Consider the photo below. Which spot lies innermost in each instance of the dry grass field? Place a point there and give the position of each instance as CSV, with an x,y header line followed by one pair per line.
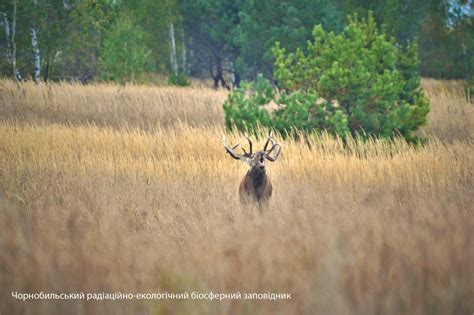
x,y
128,189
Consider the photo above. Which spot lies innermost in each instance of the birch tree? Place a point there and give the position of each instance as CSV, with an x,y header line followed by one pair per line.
x,y
34,45
10,32
173,58
7,26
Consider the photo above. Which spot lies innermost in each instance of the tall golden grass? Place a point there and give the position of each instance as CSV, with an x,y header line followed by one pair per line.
x,y
116,106
128,189
452,115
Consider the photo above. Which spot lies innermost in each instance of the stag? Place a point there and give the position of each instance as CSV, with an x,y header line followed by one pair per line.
x,y
255,186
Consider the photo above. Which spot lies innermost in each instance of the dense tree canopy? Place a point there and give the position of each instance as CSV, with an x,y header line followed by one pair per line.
x,y
264,22
227,40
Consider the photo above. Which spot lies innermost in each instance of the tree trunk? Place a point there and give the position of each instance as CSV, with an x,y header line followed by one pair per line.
x,y
16,72
36,54
173,58
183,60
36,51
46,70
219,77
235,77
10,28
7,25
466,59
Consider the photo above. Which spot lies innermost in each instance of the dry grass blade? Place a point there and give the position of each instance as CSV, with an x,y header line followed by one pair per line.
x,y
128,189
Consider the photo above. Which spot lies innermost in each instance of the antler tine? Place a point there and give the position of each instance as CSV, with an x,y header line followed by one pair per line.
x,y
276,155
230,151
250,146
268,141
274,146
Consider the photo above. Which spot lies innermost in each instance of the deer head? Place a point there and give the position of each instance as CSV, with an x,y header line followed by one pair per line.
x,y
256,185
257,159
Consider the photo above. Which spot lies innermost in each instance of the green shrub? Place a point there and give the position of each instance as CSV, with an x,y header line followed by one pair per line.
x,y
244,106
178,80
359,81
307,112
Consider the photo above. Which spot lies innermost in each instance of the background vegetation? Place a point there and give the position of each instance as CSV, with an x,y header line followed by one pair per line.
x,y
227,40
358,81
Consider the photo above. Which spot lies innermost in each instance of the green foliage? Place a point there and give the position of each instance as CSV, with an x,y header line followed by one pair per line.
x,y
178,80
358,81
445,29
82,33
244,106
307,112
125,55
402,18
210,24
447,52
224,38
289,22
154,18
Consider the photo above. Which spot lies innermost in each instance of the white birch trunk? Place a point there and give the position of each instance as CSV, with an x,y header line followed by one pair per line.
x,y
36,51
173,58
36,54
7,25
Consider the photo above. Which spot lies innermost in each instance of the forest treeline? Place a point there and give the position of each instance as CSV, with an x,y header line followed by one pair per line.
x,y
228,40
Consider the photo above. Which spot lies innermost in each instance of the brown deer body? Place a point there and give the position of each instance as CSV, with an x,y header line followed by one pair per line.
x,y
256,187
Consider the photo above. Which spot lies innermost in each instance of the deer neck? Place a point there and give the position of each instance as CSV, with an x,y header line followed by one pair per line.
x,y
257,176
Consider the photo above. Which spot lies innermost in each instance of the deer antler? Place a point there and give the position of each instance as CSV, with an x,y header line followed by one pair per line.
x,y
274,146
235,155
250,147
231,151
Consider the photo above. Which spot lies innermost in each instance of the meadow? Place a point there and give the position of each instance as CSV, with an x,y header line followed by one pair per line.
x,y
107,188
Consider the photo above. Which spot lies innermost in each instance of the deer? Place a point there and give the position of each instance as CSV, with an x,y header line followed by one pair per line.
x,y
255,187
